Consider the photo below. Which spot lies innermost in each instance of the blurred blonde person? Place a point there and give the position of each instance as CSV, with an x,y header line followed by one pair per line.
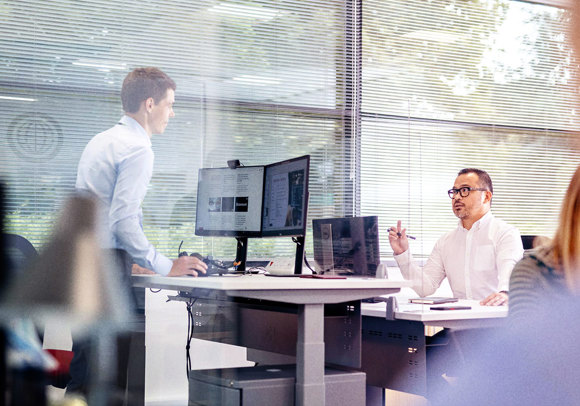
x,y
553,268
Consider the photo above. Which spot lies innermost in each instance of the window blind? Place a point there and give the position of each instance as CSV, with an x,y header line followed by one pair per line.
x,y
443,85
259,81
448,85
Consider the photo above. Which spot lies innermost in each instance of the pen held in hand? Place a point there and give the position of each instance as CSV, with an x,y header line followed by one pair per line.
x,y
400,235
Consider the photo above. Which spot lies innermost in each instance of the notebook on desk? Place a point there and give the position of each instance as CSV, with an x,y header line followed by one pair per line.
x,y
280,266
433,300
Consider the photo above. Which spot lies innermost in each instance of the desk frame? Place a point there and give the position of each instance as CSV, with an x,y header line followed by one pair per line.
x,y
394,351
309,295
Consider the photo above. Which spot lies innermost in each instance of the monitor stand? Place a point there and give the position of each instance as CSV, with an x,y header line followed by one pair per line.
x,y
241,253
299,254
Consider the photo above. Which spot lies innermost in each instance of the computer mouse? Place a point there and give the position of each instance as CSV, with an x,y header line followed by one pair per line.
x,y
212,268
196,255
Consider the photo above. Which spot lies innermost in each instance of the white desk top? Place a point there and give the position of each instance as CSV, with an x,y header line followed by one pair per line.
x,y
282,289
476,317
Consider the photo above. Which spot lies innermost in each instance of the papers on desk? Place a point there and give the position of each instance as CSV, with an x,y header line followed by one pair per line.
x,y
433,300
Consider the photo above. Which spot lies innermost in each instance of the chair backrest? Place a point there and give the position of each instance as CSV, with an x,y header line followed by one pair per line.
x,y
18,251
528,241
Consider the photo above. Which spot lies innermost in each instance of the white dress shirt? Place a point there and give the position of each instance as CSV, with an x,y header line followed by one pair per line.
x,y
477,262
116,167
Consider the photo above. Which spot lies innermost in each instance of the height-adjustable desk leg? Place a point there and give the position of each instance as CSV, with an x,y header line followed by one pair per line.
x,y
310,356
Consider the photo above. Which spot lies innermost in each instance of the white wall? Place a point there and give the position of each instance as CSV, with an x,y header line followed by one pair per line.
x,y
165,339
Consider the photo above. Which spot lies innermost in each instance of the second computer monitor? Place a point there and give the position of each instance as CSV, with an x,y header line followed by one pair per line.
x,y
347,246
286,198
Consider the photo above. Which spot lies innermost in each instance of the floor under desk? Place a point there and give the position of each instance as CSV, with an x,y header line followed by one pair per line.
x,y
396,398
393,398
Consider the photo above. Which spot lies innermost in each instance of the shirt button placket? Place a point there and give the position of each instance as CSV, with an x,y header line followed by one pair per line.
x,y
466,272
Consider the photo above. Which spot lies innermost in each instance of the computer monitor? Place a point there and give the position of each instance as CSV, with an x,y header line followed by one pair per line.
x,y
229,201
286,198
347,246
255,201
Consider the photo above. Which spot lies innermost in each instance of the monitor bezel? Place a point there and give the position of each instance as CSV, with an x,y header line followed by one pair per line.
x,y
290,232
229,233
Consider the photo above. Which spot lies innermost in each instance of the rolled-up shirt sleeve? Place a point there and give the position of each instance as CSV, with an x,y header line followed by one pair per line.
x,y
425,280
509,251
133,176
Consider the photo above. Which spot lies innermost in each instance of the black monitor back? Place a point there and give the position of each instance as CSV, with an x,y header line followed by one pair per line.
x,y
347,245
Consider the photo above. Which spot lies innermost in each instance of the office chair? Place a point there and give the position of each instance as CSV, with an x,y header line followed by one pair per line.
x,y
19,251
528,241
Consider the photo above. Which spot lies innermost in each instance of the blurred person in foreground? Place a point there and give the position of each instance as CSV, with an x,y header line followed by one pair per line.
x,y
551,270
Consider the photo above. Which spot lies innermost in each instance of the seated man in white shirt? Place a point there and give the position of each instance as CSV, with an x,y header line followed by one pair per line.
x,y
477,257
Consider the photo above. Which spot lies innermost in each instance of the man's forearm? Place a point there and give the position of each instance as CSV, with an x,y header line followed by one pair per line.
x,y
422,284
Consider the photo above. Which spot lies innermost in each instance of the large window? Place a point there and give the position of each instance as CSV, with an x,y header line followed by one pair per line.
x,y
453,84
258,81
390,97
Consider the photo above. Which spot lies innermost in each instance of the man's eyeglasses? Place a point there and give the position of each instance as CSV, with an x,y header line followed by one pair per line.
x,y
463,191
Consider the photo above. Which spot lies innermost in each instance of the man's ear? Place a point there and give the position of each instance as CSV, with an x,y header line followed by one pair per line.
x,y
487,196
149,103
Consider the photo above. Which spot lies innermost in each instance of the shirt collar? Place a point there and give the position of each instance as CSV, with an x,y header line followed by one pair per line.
x,y
479,223
135,126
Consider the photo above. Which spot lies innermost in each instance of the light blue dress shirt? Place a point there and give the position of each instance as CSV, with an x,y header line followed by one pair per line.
x,y
116,167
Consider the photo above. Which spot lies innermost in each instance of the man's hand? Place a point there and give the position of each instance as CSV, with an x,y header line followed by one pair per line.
x,y
139,270
187,265
398,239
495,299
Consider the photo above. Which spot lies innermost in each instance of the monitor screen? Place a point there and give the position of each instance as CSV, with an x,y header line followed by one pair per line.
x,y
286,197
347,246
229,201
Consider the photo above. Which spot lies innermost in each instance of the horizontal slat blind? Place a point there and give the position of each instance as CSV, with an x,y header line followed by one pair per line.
x,y
492,62
448,85
259,81
444,85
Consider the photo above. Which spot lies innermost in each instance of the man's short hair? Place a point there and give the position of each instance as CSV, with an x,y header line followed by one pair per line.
x,y
484,179
143,83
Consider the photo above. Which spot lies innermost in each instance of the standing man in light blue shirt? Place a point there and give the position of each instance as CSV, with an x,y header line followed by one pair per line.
x,y
116,167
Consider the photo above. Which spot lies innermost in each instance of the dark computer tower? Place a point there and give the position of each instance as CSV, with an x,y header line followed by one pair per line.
x,y
269,385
